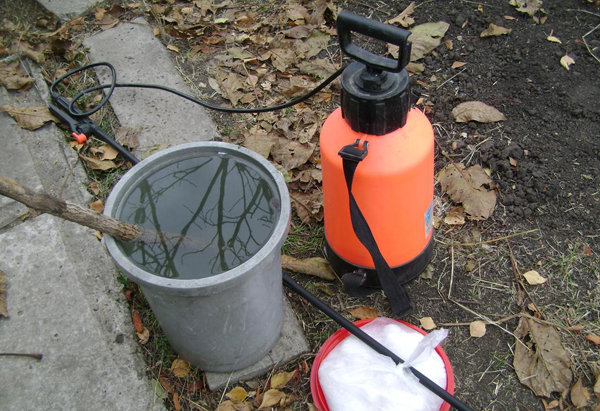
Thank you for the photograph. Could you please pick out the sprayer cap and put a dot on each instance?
(373, 101)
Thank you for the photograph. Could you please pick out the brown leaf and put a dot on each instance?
(298, 32)
(494, 30)
(308, 205)
(527, 6)
(143, 336)
(238, 394)
(364, 313)
(427, 323)
(3, 281)
(227, 405)
(258, 140)
(593, 338)
(272, 398)
(107, 21)
(99, 164)
(30, 118)
(566, 62)
(176, 402)
(477, 329)
(94, 188)
(97, 206)
(167, 385)
(466, 186)
(13, 78)
(542, 364)
(229, 88)
(34, 53)
(108, 152)
(317, 67)
(283, 58)
(455, 216)
(137, 322)
(315, 266)
(458, 64)
(194, 386)
(404, 19)
(173, 48)
(425, 38)
(180, 368)
(291, 154)
(279, 380)
(476, 111)
(580, 396)
(534, 278)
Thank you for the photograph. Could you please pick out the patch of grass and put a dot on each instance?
(304, 240)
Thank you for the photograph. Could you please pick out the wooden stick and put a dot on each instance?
(46, 203)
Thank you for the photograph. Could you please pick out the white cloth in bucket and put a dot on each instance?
(354, 377)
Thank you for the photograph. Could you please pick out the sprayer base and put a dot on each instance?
(404, 273)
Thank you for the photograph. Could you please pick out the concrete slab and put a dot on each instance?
(139, 57)
(67, 9)
(84, 367)
(291, 344)
(63, 298)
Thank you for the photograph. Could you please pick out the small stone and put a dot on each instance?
(120, 338)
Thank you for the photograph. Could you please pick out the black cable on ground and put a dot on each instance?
(113, 84)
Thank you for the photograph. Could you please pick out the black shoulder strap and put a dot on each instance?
(397, 296)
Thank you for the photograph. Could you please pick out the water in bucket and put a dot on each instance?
(212, 212)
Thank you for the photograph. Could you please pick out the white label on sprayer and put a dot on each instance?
(429, 220)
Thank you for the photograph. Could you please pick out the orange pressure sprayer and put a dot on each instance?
(377, 161)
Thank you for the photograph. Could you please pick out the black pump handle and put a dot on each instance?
(348, 22)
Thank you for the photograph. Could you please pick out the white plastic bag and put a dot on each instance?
(354, 377)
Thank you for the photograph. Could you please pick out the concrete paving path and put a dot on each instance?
(63, 298)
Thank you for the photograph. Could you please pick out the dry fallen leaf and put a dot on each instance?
(180, 368)
(404, 19)
(553, 39)
(315, 266)
(527, 6)
(3, 281)
(424, 38)
(494, 30)
(173, 48)
(176, 402)
(427, 323)
(279, 380)
(259, 141)
(30, 118)
(593, 338)
(541, 362)
(137, 322)
(534, 278)
(99, 164)
(226, 406)
(13, 78)
(271, 398)
(97, 206)
(477, 329)
(467, 186)
(238, 394)
(566, 61)
(455, 216)
(458, 64)
(291, 154)
(364, 313)
(580, 396)
(476, 111)
(143, 336)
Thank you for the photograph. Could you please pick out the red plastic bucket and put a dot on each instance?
(338, 337)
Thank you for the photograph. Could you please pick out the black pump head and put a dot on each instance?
(375, 89)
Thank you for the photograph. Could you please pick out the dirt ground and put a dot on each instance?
(544, 161)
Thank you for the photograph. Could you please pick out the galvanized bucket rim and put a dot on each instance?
(145, 278)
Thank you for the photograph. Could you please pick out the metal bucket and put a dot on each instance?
(223, 322)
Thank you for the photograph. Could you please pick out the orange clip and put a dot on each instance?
(81, 138)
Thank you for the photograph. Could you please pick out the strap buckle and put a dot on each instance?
(353, 153)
